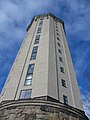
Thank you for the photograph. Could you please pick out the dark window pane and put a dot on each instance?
(65, 99)
(34, 53)
(40, 23)
(37, 36)
(30, 69)
(57, 30)
(28, 80)
(60, 59)
(35, 49)
(63, 83)
(33, 56)
(58, 39)
(39, 30)
(58, 34)
(62, 69)
(59, 44)
(37, 39)
(59, 51)
(56, 26)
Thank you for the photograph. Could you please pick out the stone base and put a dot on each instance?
(39, 110)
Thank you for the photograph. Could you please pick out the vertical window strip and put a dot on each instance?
(28, 80)
(34, 53)
(65, 100)
(37, 39)
(40, 23)
(39, 29)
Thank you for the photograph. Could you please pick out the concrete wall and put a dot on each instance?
(71, 74)
(47, 75)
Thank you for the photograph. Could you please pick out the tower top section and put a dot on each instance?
(42, 17)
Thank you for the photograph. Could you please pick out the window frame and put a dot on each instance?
(57, 30)
(40, 22)
(57, 34)
(60, 59)
(39, 29)
(28, 80)
(25, 94)
(63, 83)
(59, 51)
(30, 73)
(62, 70)
(37, 39)
(58, 44)
(34, 53)
(56, 26)
(58, 38)
(30, 69)
(65, 100)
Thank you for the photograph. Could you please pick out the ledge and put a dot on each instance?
(44, 106)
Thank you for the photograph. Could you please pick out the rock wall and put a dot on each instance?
(31, 110)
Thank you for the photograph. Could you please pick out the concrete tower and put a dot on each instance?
(43, 69)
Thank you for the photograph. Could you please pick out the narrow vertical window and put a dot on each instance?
(58, 34)
(25, 94)
(63, 83)
(37, 39)
(59, 51)
(59, 44)
(34, 53)
(28, 80)
(58, 38)
(65, 100)
(56, 26)
(57, 30)
(60, 59)
(62, 69)
(40, 23)
(39, 29)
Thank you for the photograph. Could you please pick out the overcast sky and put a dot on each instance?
(15, 15)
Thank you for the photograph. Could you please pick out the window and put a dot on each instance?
(30, 69)
(63, 83)
(33, 56)
(60, 59)
(56, 26)
(57, 30)
(34, 53)
(40, 23)
(58, 38)
(58, 44)
(62, 69)
(28, 80)
(25, 94)
(65, 99)
(39, 30)
(59, 51)
(58, 34)
(35, 49)
(37, 39)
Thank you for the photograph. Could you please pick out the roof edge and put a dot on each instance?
(44, 15)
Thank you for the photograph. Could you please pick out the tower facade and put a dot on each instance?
(43, 68)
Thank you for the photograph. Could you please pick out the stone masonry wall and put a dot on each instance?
(37, 112)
